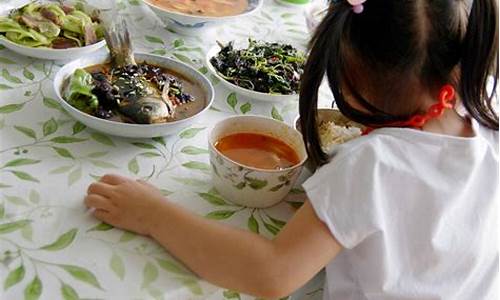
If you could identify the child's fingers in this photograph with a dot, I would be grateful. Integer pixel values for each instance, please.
(101, 215)
(113, 179)
(98, 202)
(100, 188)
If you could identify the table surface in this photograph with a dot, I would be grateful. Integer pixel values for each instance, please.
(50, 247)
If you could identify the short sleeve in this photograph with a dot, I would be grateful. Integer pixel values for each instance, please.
(344, 196)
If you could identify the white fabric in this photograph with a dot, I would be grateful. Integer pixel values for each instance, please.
(416, 213)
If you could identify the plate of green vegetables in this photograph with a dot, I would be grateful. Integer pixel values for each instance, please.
(260, 70)
(52, 30)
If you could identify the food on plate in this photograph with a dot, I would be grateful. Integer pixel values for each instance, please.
(332, 133)
(264, 67)
(257, 151)
(209, 8)
(51, 25)
(125, 91)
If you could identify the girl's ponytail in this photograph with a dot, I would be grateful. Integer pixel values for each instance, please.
(479, 60)
(325, 40)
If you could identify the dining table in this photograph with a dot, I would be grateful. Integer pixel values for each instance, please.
(51, 246)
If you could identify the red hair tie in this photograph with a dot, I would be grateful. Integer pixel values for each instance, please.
(446, 100)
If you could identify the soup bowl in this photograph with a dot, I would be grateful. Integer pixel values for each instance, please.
(194, 24)
(246, 185)
(126, 129)
(49, 53)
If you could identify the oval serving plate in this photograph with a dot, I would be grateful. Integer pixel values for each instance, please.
(127, 129)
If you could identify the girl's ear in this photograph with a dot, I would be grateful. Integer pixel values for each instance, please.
(479, 60)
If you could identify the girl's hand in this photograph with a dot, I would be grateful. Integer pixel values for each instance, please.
(125, 203)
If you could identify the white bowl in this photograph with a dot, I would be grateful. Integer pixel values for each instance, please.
(242, 91)
(194, 25)
(247, 186)
(133, 130)
(48, 53)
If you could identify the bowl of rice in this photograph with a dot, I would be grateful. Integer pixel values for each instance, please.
(334, 129)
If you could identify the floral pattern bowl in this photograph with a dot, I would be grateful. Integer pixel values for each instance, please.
(192, 24)
(248, 186)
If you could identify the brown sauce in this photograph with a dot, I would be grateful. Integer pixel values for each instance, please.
(209, 8)
(181, 111)
(257, 151)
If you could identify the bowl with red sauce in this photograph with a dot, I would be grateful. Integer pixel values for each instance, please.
(255, 160)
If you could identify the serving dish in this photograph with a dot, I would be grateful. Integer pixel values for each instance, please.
(49, 53)
(127, 129)
(241, 91)
(189, 24)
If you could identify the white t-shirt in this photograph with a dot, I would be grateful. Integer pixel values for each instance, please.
(416, 213)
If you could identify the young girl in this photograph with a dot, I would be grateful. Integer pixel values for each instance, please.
(405, 212)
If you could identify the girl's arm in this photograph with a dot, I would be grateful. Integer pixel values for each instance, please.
(229, 257)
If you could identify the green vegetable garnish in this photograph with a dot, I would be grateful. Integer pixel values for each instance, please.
(79, 94)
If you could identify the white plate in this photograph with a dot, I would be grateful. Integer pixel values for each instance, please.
(48, 53)
(242, 91)
(133, 130)
(193, 24)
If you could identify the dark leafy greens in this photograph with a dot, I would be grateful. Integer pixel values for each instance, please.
(265, 67)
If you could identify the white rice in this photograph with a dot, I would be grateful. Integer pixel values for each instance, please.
(332, 134)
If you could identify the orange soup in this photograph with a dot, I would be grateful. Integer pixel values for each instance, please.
(257, 151)
(209, 8)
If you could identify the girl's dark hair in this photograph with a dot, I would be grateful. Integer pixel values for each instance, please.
(394, 51)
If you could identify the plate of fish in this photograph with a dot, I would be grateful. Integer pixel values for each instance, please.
(131, 94)
(260, 70)
(50, 30)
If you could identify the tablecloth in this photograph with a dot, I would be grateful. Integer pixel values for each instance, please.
(50, 246)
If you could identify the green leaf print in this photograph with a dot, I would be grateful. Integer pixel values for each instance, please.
(178, 43)
(192, 284)
(255, 183)
(127, 236)
(27, 131)
(7, 61)
(101, 227)
(196, 165)
(27, 232)
(10, 108)
(190, 133)
(68, 292)
(103, 139)
(17, 200)
(153, 39)
(67, 140)
(13, 226)
(49, 127)
(159, 52)
(9, 77)
(81, 274)
(2, 210)
(20, 162)
(116, 264)
(97, 154)
(28, 75)
(144, 145)
(78, 127)
(74, 176)
(245, 108)
(271, 228)
(232, 100)
(62, 242)
(103, 164)
(34, 197)
(252, 224)
(15, 276)
(172, 267)
(33, 290)
(183, 58)
(133, 166)
(160, 140)
(275, 114)
(51, 103)
(63, 152)
(149, 275)
(212, 199)
(24, 176)
(278, 223)
(220, 214)
(192, 150)
(4, 87)
(61, 170)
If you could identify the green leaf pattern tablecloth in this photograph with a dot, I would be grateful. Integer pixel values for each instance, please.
(50, 247)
